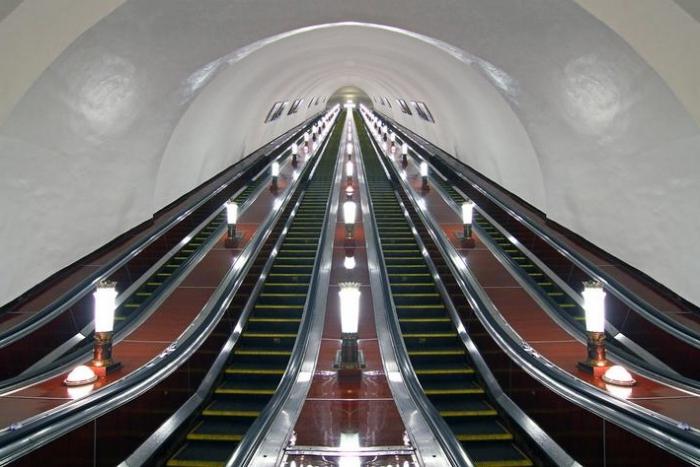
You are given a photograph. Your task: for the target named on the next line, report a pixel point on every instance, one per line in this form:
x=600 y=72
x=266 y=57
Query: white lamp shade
x=404 y=149
x=349 y=212
x=105 y=298
x=424 y=169
x=231 y=212
x=349 y=136
x=306 y=137
x=349 y=307
x=594 y=306
x=295 y=148
x=383 y=145
x=467 y=212
x=348 y=148
x=349 y=168
x=275 y=170
x=392 y=137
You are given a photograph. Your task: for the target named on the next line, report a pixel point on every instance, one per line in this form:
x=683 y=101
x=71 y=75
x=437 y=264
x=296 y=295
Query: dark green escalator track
x=263 y=350
x=436 y=352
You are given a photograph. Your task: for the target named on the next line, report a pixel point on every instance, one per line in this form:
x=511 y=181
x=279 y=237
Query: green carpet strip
x=262 y=352
x=437 y=354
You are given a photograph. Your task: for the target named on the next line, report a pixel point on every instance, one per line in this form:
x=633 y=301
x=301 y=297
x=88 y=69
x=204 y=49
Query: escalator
x=149 y=290
x=438 y=356
x=175 y=266
x=140 y=282
x=261 y=355
x=569 y=309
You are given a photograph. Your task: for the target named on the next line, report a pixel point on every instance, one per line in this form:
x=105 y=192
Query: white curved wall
x=161 y=94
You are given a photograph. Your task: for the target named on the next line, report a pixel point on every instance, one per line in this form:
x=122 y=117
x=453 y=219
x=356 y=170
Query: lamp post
x=348 y=149
x=467 y=216
x=349 y=213
x=295 y=151
x=424 y=174
x=231 y=219
x=349 y=170
x=275 y=172
x=594 y=307
x=404 y=153
x=349 y=359
x=105 y=297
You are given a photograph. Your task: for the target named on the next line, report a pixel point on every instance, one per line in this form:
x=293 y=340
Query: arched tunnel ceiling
x=161 y=95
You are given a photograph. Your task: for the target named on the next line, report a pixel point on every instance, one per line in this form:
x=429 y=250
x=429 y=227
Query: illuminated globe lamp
x=80 y=376
x=105 y=304
x=306 y=142
x=392 y=139
x=594 y=307
x=467 y=217
x=231 y=220
x=349 y=360
x=618 y=376
x=349 y=215
x=424 y=174
x=404 y=154
x=348 y=150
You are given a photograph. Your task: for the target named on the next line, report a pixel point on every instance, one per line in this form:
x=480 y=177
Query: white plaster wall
x=665 y=35
x=34 y=34
x=161 y=94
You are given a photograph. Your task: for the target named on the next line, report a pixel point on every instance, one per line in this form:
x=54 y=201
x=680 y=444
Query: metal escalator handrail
x=257 y=432
x=78 y=291
x=622 y=292
x=671 y=435
x=442 y=432
x=27 y=435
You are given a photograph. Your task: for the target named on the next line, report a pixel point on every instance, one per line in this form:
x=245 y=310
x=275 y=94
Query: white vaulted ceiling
x=141 y=101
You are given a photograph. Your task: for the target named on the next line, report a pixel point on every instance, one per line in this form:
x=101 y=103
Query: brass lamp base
x=467 y=241
x=102 y=363
x=595 y=362
x=349 y=360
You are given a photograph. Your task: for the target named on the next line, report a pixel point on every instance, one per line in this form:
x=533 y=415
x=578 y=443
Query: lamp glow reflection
x=349 y=443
